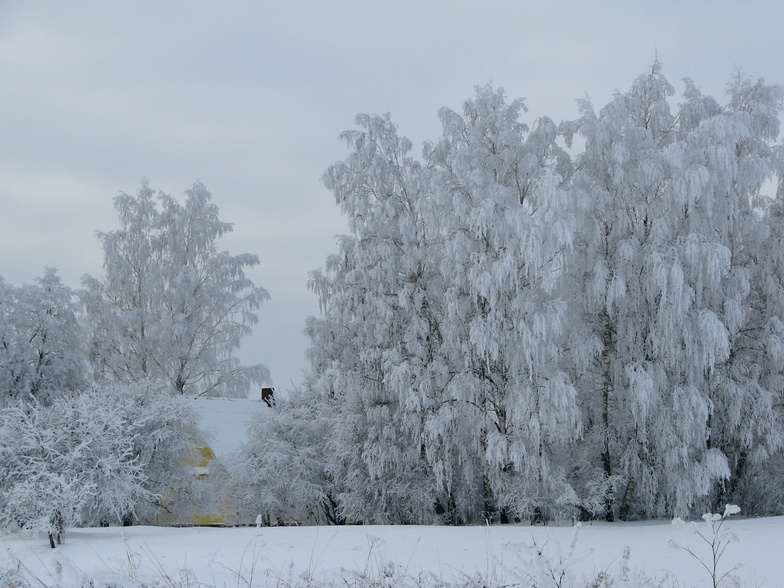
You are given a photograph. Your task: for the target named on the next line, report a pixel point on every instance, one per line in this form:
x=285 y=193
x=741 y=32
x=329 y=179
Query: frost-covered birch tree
x=663 y=279
x=760 y=484
x=172 y=306
x=505 y=242
x=440 y=338
x=42 y=350
x=617 y=182
x=746 y=424
x=371 y=349
x=112 y=455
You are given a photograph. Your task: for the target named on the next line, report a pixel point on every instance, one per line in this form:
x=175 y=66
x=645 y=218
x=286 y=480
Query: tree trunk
x=58 y=526
x=626 y=502
x=606 y=392
x=330 y=508
x=488 y=503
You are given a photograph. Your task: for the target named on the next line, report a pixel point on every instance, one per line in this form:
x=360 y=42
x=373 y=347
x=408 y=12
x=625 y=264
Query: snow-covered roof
x=225 y=421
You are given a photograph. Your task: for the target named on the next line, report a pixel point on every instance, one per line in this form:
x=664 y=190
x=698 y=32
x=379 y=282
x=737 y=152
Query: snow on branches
x=509 y=331
x=172 y=307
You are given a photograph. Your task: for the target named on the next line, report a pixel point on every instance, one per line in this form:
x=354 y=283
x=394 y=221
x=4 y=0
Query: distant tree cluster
x=510 y=331
x=94 y=425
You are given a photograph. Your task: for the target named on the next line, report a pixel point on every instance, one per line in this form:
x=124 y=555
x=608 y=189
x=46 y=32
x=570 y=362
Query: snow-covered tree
x=371 y=350
x=506 y=230
x=107 y=456
x=439 y=343
x=759 y=480
x=749 y=425
x=172 y=307
x=618 y=179
x=42 y=349
x=744 y=425
x=663 y=280
x=63 y=462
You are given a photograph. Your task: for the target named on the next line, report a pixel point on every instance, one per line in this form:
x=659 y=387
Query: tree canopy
x=172 y=307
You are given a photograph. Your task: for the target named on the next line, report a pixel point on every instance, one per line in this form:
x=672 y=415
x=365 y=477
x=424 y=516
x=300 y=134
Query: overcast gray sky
x=249 y=98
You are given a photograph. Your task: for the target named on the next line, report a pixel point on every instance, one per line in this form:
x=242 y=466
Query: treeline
x=572 y=320
x=520 y=328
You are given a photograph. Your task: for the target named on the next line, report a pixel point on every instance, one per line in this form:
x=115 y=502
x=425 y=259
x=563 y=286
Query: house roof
x=224 y=421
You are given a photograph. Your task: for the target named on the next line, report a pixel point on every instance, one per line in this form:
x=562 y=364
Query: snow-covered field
x=388 y=556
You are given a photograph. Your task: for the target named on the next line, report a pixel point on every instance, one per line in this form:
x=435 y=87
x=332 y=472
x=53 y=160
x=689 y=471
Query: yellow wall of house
x=200 y=462
x=206 y=456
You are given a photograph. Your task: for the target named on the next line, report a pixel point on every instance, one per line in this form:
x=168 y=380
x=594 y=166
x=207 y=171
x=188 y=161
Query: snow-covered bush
x=100 y=457
x=163 y=429
x=279 y=474
x=68 y=463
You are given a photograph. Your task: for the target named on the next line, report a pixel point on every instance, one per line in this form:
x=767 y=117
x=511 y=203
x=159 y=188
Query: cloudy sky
x=250 y=97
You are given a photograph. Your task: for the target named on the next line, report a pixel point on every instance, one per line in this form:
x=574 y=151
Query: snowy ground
x=343 y=555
